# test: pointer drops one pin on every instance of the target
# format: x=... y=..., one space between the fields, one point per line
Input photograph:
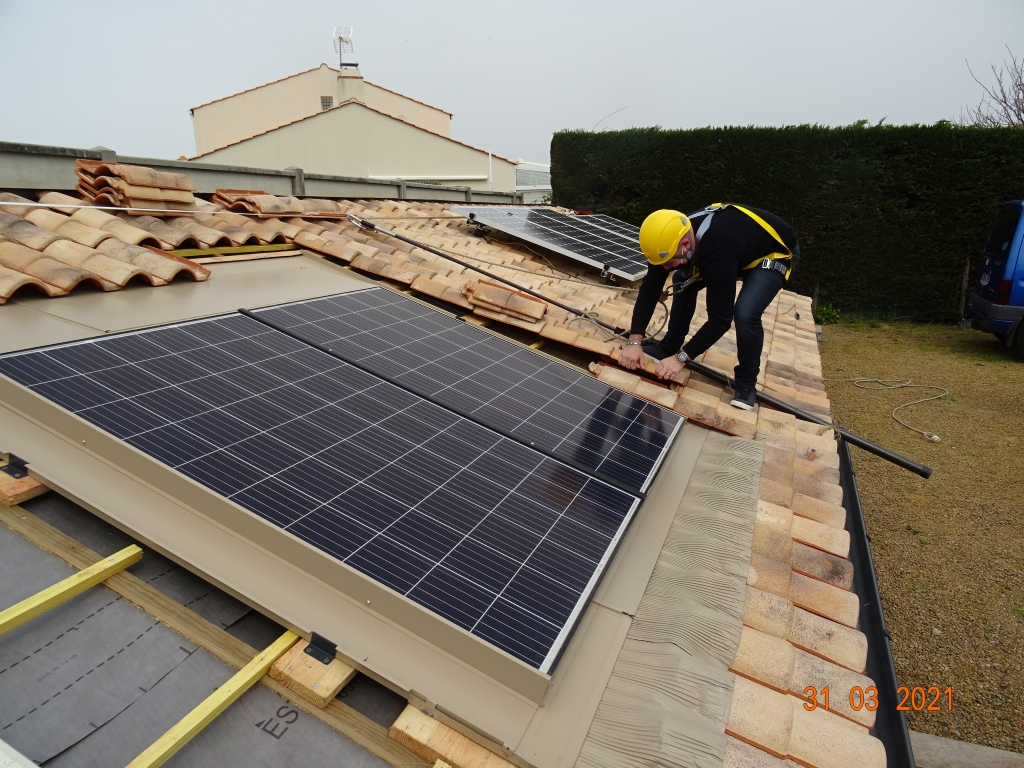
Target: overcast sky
x=124 y=74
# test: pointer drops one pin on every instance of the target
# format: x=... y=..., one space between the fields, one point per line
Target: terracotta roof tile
x=65 y=225
x=26 y=233
x=121 y=230
x=111 y=270
x=160 y=229
x=12 y=281
x=21 y=258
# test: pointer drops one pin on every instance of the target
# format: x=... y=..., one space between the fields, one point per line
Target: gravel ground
x=949 y=551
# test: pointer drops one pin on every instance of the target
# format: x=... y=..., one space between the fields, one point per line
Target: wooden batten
x=318 y=683
x=15 y=491
x=432 y=739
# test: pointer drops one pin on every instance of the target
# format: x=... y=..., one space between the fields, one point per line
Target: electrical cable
x=880 y=384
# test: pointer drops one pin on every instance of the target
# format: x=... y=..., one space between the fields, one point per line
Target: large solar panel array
x=600 y=241
x=478 y=528
x=568 y=414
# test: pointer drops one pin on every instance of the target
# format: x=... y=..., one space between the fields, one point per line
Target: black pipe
x=890 y=723
x=458 y=411
x=782 y=405
x=711 y=373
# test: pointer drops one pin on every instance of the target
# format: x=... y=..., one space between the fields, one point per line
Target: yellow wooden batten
x=43 y=601
x=229 y=249
x=167 y=745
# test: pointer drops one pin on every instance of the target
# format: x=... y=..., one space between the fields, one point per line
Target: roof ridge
x=350 y=102
x=410 y=98
x=264 y=85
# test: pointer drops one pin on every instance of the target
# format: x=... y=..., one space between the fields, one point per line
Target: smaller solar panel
x=600 y=240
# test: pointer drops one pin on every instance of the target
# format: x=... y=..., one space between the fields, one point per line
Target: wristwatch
x=634 y=343
x=682 y=357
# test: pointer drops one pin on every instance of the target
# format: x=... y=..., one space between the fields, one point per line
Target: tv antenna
x=343 y=44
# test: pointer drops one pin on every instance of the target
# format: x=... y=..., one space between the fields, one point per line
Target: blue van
x=997 y=303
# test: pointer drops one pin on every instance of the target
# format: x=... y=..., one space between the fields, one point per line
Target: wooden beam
x=164 y=748
x=353 y=725
x=441 y=743
x=43 y=601
x=315 y=682
x=244 y=257
x=191 y=253
x=16 y=490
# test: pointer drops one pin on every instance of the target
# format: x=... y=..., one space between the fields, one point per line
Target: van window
x=1002 y=232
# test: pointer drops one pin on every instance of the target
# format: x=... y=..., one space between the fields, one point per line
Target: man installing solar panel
x=711 y=250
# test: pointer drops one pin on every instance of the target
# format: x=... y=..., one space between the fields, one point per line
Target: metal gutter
x=31 y=167
x=890 y=724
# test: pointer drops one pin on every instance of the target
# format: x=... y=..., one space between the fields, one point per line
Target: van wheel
x=1018 y=341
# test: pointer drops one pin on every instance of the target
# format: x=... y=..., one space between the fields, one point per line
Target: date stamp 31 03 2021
x=918 y=698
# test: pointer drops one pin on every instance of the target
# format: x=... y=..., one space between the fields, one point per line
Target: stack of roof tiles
x=260 y=203
x=134 y=186
x=54 y=252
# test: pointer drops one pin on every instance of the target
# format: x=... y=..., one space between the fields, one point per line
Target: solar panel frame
x=598 y=240
x=67 y=361
x=453 y=363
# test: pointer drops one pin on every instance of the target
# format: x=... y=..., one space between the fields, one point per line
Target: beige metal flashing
x=627 y=576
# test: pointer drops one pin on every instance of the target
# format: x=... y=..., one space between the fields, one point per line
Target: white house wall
x=356 y=141
x=411 y=111
x=245 y=114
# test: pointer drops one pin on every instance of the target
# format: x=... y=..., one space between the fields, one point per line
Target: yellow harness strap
x=767 y=228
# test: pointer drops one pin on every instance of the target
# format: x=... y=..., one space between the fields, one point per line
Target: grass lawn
x=949 y=551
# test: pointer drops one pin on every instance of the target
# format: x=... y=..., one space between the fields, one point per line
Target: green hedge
x=886 y=215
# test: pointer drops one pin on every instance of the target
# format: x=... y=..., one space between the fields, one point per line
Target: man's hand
x=669 y=368
x=631 y=357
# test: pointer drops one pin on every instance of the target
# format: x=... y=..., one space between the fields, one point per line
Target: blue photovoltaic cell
x=487 y=533
x=538 y=400
x=598 y=240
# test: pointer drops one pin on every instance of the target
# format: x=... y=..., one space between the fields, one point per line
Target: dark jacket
x=731 y=243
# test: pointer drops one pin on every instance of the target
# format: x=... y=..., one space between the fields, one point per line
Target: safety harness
x=771 y=261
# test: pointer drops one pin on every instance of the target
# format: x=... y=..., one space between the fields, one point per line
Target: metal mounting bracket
x=321 y=649
x=15 y=467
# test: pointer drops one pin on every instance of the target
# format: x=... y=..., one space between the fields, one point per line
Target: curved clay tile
x=175 y=237
x=138 y=175
x=288 y=230
x=236 y=235
x=117 y=272
x=119 y=229
x=58 y=200
x=159 y=264
x=12 y=281
x=131 y=191
x=23 y=259
x=266 y=234
x=313 y=206
x=25 y=232
x=65 y=225
x=208 y=238
x=16 y=210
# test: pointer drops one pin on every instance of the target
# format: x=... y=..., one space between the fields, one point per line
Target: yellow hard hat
x=660 y=235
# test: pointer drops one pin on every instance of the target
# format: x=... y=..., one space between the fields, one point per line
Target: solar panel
x=570 y=415
x=600 y=240
x=493 y=536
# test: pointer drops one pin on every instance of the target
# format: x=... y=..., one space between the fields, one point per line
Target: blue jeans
x=760 y=286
